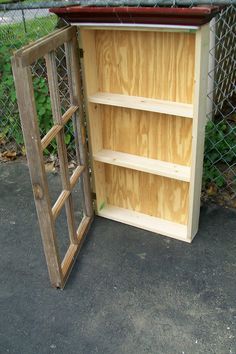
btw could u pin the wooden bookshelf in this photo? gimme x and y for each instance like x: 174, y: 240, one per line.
x: 146, y: 119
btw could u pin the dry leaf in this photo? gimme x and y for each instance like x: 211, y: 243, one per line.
x: 9, y: 155
x: 49, y: 167
x: 232, y: 117
x: 212, y: 190
x: 2, y: 141
x: 234, y: 203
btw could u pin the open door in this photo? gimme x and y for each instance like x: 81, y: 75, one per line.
x: 35, y: 145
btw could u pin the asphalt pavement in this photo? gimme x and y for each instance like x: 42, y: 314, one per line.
x: 130, y: 291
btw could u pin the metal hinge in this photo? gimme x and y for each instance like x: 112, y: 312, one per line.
x: 81, y: 53
x: 94, y: 196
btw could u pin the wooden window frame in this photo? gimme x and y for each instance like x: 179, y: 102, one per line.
x: 47, y: 214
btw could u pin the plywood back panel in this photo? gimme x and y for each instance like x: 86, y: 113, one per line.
x: 153, y: 135
x: 149, y: 64
x: 157, y: 65
x: 146, y: 193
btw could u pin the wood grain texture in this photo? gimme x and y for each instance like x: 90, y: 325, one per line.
x: 153, y: 135
x: 65, y: 194
x: 28, y: 115
x: 51, y: 134
x: 146, y: 222
x: 74, y: 80
x: 60, y: 138
x: 161, y: 66
x: 25, y: 93
x: 73, y: 250
x: 89, y: 70
x: 144, y: 164
x: 154, y: 65
x: 143, y: 104
x: 35, y: 50
x: 145, y: 193
x: 199, y: 123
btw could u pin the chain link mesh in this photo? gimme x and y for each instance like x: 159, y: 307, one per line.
x: 220, y: 145
x: 18, y: 27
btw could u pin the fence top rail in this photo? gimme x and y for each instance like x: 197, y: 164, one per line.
x: 36, y: 5
x: 52, y: 4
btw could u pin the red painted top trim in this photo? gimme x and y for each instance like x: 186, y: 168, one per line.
x: 194, y: 16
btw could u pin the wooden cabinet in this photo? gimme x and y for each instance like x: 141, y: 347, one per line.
x: 146, y: 99
x: 144, y: 89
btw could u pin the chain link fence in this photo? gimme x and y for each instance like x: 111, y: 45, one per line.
x: 23, y: 23
x: 220, y: 145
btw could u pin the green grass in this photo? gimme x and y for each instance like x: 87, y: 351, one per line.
x: 14, y: 35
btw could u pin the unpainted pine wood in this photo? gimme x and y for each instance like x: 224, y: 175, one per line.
x: 60, y: 138
x: 74, y: 78
x: 28, y: 115
x: 153, y: 195
x: 199, y: 122
x: 146, y: 222
x: 89, y: 69
x: 107, y: 61
x: 157, y: 136
x: 143, y: 104
x: 158, y: 65
x: 144, y: 164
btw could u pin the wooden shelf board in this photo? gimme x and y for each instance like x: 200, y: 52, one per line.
x: 147, y: 222
x: 143, y: 104
x: 144, y: 164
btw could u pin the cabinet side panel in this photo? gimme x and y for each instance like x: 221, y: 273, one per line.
x: 153, y: 135
x: 149, y: 64
x: 146, y: 193
x: 199, y: 122
x: 93, y: 114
